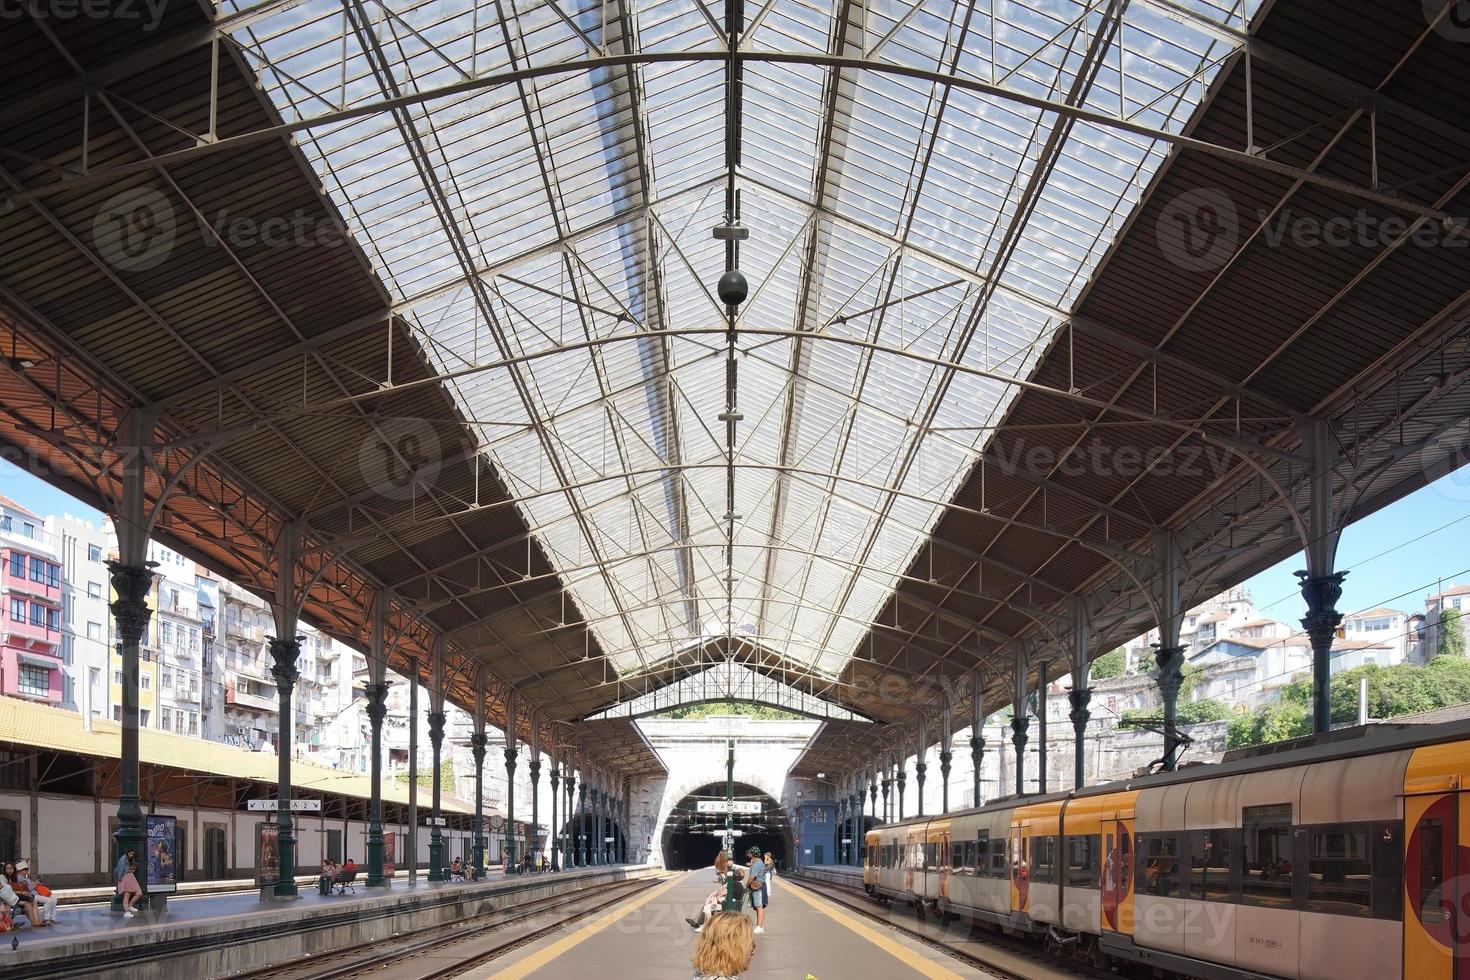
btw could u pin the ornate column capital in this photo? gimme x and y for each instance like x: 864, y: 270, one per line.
x: 478, y: 741
x: 284, y: 654
x: 1080, y: 697
x: 436, y: 726
x: 377, y: 704
x: 130, y: 608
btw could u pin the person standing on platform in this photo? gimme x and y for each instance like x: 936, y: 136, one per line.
x: 126, y: 874
x: 725, y: 948
x: 756, y: 885
x: 770, y: 863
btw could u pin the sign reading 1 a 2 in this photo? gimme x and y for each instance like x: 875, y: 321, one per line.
x: 295, y: 806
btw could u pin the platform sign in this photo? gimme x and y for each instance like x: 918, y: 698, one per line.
x: 267, y: 854
x: 847, y: 840
x: 274, y: 806
x: 436, y: 822
x: 728, y: 806
x: 722, y: 833
x: 163, y: 838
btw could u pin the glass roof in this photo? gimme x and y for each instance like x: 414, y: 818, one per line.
x: 549, y: 238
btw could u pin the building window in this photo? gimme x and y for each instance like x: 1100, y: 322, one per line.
x: 142, y: 717
x: 38, y: 569
x: 168, y: 633
x: 94, y: 631
x: 144, y: 682
x: 117, y: 713
x: 18, y: 610
x: 94, y: 590
x: 38, y: 614
x: 94, y: 552
x: 165, y: 720
x: 117, y: 677
x: 53, y: 619
x: 33, y: 680
x: 53, y: 575
x: 193, y: 723
x: 17, y: 564
x: 168, y: 683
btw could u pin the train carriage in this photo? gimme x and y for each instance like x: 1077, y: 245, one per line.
x: 1334, y: 858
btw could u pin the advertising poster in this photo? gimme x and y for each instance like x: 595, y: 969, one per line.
x: 390, y: 854
x: 162, y: 864
x: 267, y: 854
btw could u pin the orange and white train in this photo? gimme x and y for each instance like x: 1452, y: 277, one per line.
x: 1347, y: 858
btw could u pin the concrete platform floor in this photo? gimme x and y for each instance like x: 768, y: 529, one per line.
x: 96, y: 921
x: 649, y: 939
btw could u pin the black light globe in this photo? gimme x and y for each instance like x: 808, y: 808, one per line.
x: 732, y: 288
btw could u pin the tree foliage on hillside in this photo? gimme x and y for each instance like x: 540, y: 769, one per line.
x: 1188, y: 713
x: 1451, y: 634
x: 1109, y: 665
x: 1402, y: 689
x: 759, y: 711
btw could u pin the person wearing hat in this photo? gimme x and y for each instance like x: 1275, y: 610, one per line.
x: 44, y: 900
x: 756, y: 886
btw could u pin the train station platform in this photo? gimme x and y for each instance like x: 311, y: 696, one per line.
x: 805, y: 936
x: 215, y: 935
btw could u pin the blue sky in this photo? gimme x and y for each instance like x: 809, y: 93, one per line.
x: 1405, y: 548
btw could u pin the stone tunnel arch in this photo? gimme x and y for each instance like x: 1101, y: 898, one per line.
x: 691, y: 839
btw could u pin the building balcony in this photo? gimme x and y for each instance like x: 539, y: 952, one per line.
x: 23, y: 585
x: 239, y: 699
x: 16, y: 631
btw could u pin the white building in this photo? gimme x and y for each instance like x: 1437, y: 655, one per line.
x: 86, y: 622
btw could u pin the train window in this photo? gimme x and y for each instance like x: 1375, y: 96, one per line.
x: 957, y: 856
x: 1386, y: 839
x: 931, y: 857
x: 1266, y: 869
x: 1044, y: 860
x: 999, y: 865
x: 1158, y: 865
x: 1209, y: 864
x: 1340, y: 871
x: 1082, y: 860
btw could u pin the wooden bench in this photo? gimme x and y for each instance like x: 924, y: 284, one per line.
x: 344, y: 882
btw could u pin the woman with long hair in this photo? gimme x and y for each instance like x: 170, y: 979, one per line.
x: 125, y: 873
x: 725, y: 947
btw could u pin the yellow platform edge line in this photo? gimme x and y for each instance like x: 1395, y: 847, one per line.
x: 544, y: 956
x: 907, y: 957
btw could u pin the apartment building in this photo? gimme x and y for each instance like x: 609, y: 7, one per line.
x: 86, y: 623
x: 31, y: 664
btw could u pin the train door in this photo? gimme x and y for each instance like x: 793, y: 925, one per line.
x: 1117, y: 871
x: 1020, y: 869
x: 1437, y: 886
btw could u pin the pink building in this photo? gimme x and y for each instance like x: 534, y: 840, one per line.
x: 30, y: 608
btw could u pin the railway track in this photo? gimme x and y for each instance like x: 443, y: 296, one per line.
x: 451, y: 950
x: 989, y: 952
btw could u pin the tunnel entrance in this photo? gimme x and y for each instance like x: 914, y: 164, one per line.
x: 691, y: 839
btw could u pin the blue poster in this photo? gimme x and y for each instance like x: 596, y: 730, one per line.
x: 162, y: 866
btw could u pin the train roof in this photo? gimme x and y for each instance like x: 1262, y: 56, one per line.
x: 1337, y: 744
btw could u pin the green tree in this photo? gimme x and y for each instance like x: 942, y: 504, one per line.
x: 1451, y: 636
x: 1109, y: 665
x: 760, y: 711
